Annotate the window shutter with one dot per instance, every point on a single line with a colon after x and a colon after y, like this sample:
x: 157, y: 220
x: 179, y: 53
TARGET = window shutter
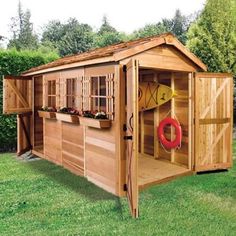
x: 110, y: 96
x: 86, y: 93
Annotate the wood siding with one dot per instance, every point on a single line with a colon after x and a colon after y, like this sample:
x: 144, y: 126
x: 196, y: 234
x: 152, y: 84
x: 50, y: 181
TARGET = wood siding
x: 164, y: 57
x: 85, y: 151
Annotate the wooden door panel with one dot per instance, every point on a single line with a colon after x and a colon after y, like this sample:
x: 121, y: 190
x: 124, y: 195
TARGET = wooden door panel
x: 213, y: 121
x: 17, y: 94
x: 132, y: 136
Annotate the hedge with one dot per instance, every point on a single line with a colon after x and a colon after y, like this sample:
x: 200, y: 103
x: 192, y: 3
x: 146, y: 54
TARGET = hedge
x: 14, y: 62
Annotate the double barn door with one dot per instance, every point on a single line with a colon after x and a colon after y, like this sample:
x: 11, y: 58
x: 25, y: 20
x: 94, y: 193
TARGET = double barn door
x: 212, y: 118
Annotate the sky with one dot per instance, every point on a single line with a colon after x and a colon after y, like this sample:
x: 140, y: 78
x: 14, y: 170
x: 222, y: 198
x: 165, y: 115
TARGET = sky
x: 124, y: 15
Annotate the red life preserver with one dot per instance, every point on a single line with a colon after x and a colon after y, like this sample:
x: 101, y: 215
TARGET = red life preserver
x: 178, y: 133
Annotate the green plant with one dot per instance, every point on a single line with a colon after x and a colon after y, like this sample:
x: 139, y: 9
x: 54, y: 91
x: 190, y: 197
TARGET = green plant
x: 49, y: 109
x: 68, y: 110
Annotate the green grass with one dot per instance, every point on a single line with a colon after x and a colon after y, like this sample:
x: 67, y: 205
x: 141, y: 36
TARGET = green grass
x: 39, y: 198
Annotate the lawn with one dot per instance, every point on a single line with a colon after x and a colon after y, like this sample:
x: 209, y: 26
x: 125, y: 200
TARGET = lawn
x: 39, y: 198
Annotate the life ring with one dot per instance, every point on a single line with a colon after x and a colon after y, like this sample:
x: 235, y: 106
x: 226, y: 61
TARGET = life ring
x: 178, y: 133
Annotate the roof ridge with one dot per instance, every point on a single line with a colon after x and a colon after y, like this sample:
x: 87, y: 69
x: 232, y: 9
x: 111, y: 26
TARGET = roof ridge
x: 109, y: 52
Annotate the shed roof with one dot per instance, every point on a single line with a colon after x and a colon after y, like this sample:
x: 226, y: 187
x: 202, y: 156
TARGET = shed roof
x: 116, y: 52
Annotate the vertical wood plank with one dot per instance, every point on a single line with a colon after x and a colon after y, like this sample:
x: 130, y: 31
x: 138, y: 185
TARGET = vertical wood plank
x: 172, y: 116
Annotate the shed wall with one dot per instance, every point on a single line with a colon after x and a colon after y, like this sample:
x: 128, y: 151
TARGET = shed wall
x: 83, y: 150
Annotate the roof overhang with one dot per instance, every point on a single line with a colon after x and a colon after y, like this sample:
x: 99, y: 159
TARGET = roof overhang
x: 168, y: 39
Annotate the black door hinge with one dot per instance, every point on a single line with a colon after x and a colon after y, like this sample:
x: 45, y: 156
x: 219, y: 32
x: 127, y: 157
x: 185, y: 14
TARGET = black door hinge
x: 128, y: 137
x: 124, y: 68
x: 125, y: 187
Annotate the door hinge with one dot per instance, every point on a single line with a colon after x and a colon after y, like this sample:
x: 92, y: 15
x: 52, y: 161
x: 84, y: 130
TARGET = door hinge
x: 129, y: 137
x: 124, y: 68
x: 125, y: 187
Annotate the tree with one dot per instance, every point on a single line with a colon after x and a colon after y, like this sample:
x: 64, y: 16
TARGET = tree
x: 53, y: 33
x: 22, y: 30
x: 69, y: 38
x: 77, y: 39
x: 150, y: 30
x: 178, y: 25
x: 213, y: 36
x: 107, y: 35
x: 106, y: 27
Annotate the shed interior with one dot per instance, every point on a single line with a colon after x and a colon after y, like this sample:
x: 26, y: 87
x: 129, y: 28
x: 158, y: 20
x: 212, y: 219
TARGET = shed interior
x: 157, y: 164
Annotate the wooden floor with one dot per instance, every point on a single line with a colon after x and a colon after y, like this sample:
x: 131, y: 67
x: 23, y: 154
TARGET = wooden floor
x: 153, y: 171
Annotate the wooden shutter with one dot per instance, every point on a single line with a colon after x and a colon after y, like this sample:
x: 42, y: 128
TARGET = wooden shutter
x: 110, y: 96
x: 213, y: 121
x: 17, y: 94
x: 132, y: 136
x: 86, y: 93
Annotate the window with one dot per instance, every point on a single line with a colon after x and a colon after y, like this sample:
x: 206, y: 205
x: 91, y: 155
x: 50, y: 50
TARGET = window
x: 51, y: 93
x: 98, y: 93
x: 70, y: 92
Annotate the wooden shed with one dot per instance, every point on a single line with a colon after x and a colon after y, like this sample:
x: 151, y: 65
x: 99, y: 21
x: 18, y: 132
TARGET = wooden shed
x: 123, y: 154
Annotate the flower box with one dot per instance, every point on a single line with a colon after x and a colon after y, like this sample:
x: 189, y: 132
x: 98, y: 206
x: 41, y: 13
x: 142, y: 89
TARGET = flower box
x: 47, y: 114
x: 95, y: 123
x: 67, y: 117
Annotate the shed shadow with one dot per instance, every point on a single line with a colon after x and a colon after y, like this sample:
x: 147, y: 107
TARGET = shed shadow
x: 71, y: 181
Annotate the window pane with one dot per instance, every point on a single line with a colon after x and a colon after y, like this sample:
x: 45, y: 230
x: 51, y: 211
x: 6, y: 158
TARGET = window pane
x: 68, y: 86
x: 103, y: 104
x: 70, y: 101
x: 94, y: 104
x: 49, y: 87
x: 102, y: 86
x: 70, y: 92
x: 94, y: 81
x: 53, y: 87
x: 52, y: 101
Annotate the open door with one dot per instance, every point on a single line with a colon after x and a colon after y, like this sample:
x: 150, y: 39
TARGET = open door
x: 213, y: 121
x: 17, y: 99
x: 132, y: 136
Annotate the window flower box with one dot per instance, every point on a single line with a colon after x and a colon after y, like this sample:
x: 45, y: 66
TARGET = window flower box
x: 67, y: 117
x: 47, y: 114
x: 95, y: 123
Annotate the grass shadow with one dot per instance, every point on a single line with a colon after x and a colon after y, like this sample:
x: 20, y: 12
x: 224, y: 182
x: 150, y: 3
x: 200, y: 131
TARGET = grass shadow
x: 70, y: 181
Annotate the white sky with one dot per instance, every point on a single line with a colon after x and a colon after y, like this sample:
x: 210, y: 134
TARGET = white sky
x: 124, y: 15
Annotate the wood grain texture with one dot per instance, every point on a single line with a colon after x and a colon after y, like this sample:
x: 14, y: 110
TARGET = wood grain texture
x: 152, y: 172
x: 73, y: 147
x: 213, y: 121
x: 100, y: 157
x: 17, y: 95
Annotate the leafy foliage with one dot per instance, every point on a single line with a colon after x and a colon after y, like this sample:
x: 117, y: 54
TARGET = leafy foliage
x: 69, y: 38
x: 14, y: 62
x: 22, y: 29
x: 150, y: 30
x: 213, y: 36
x: 178, y: 25
x: 107, y: 35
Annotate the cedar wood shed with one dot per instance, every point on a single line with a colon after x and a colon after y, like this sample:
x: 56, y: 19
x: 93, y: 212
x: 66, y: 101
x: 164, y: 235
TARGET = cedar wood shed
x: 123, y: 154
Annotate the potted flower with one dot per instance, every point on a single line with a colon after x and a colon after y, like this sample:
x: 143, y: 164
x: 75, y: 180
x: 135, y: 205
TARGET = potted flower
x: 47, y: 112
x: 95, y: 119
x: 68, y: 114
